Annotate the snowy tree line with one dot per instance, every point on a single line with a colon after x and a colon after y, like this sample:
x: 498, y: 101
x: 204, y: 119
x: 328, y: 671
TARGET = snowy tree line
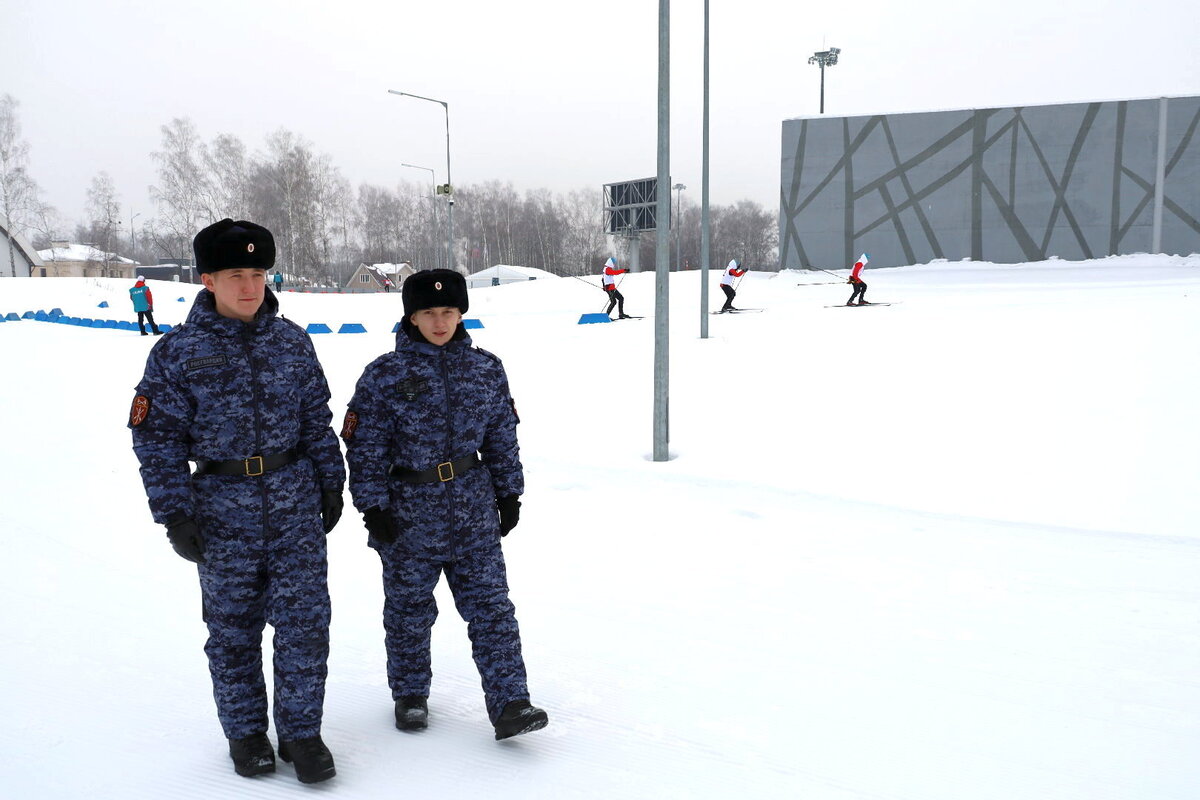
x: 324, y: 227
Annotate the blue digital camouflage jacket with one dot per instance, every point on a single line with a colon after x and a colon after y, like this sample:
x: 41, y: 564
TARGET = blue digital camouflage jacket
x: 216, y: 388
x: 422, y: 405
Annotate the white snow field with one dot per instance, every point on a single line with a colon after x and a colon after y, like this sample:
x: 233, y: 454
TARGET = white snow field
x: 940, y: 550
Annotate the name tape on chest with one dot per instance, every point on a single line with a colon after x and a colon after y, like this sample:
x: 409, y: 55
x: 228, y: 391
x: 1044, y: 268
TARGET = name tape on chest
x: 204, y: 362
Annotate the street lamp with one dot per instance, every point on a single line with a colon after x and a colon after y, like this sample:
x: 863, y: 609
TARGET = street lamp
x: 824, y: 58
x: 679, y: 187
x: 432, y: 183
x: 132, y: 235
x: 448, y: 189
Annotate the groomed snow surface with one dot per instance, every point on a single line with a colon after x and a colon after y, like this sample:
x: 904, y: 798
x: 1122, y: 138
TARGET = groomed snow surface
x: 944, y: 549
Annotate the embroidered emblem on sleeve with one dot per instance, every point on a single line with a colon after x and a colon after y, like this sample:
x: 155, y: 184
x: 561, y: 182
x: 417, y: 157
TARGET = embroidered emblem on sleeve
x: 140, y: 410
x: 349, y: 425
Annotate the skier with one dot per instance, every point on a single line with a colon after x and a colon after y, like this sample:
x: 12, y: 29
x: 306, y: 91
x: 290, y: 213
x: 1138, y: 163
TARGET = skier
x: 266, y: 490
x: 431, y: 441
x: 860, y: 287
x: 615, y: 298
x: 143, y: 304
x: 733, y: 270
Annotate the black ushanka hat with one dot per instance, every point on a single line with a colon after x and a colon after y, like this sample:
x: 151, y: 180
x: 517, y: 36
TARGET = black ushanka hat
x: 233, y: 245
x: 432, y: 288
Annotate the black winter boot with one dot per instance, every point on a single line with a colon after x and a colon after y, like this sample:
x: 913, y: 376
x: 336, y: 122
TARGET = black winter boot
x: 412, y: 713
x: 252, y: 755
x: 314, y: 762
x: 519, y: 716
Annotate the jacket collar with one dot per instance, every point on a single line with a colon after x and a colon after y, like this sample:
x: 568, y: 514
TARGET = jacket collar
x: 204, y: 314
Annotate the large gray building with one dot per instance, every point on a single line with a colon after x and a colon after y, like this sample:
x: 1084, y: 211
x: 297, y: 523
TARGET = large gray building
x: 1082, y: 180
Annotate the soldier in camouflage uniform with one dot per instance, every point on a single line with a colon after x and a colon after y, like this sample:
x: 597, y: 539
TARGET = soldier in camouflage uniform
x: 239, y: 391
x: 431, y: 442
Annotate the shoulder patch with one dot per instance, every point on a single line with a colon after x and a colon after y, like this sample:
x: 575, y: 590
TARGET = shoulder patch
x: 139, y: 411
x: 349, y: 425
x: 194, y: 364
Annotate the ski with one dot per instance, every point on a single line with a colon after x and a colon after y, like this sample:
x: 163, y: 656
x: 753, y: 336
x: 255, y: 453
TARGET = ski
x: 738, y: 311
x: 628, y: 316
x: 857, y: 305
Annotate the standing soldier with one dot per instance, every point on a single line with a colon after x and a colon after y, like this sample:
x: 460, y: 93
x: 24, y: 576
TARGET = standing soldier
x: 860, y: 286
x: 733, y: 270
x: 615, y: 298
x: 143, y: 304
x: 267, y: 488
x: 431, y: 440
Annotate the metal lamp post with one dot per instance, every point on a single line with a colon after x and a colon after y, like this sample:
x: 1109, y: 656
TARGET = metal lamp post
x: 433, y: 185
x: 679, y: 187
x: 448, y: 189
x: 823, y: 59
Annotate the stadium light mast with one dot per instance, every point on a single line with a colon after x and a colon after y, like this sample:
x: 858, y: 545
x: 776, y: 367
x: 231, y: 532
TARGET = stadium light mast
x: 823, y: 59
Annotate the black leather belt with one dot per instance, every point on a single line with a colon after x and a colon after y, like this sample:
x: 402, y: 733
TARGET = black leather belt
x: 248, y: 467
x: 446, y: 471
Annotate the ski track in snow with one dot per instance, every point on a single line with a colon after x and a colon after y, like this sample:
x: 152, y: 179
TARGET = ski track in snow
x: 891, y: 557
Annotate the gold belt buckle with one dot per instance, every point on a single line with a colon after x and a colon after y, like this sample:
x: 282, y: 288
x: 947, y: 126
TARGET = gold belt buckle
x: 247, y: 462
x: 447, y: 474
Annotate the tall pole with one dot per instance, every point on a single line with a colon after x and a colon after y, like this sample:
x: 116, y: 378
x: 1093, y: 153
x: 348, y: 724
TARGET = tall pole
x: 132, y: 235
x: 822, y: 87
x: 432, y: 197
x: 704, y: 196
x: 449, y: 184
x: 662, y: 260
x: 677, y: 224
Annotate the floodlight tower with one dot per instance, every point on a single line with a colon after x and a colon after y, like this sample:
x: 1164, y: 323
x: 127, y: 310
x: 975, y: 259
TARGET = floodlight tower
x: 823, y: 59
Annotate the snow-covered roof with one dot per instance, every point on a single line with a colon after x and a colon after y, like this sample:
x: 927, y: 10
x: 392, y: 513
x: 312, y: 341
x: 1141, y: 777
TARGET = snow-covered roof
x: 512, y: 273
x: 81, y: 252
x: 389, y: 269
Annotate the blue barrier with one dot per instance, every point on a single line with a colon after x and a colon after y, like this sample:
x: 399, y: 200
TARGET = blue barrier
x: 318, y: 327
x: 126, y: 325
x: 181, y: 300
x: 589, y: 319
x: 2, y: 319
x: 471, y: 324
x: 56, y: 312
x: 103, y: 304
x: 164, y: 327
x: 396, y: 327
x: 41, y: 316
x: 28, y: 315
x: 352, y: 327
x: 109, y: 323
x: 12, y: 316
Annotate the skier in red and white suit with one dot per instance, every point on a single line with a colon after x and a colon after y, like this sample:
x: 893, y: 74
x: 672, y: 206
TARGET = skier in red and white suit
x: 615, y: 298
x: 860, y: 287
x: 734, y: 270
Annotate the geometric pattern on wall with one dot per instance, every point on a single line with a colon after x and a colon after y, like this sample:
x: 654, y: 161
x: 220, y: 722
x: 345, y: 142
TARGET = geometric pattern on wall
x: 1003, y: 185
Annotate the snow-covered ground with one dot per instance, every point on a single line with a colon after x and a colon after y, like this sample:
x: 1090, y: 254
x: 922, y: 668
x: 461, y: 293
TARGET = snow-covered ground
x: 942, y: 549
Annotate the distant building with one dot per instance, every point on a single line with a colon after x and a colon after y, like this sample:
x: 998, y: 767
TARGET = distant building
x: 375, y: 277
x: 506, y: 273
x: 67, y: 260
x: 17, y: 258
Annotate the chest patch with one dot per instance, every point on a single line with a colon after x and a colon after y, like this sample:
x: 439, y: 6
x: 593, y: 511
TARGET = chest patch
x: 194, y: 364
x: 411, y: 387
x: 139, y: 411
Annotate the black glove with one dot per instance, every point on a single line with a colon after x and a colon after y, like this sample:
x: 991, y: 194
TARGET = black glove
x: 380, y: 525
x: 186, y: 538
x: 331, y: 508
x: 510, y: 512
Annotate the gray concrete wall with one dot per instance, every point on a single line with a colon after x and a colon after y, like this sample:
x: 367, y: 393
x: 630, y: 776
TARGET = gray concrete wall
x: 998, y: 184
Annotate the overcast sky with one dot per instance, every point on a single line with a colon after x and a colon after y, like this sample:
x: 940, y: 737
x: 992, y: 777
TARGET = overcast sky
x: 545, y: 94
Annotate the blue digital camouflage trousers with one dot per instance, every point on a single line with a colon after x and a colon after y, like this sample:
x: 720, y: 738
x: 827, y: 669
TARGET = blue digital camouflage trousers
x: 479, y: 584
x: 265, y: 564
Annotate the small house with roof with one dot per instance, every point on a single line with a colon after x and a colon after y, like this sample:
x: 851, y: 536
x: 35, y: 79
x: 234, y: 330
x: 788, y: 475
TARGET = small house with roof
x: 67, y: 260
x: 379, y: 277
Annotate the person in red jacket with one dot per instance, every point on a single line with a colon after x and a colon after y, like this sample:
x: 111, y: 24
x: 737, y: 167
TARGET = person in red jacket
x: 615, y: 298
x: 860, y: 286
x: 143, y: 304
x: 734, y: 270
